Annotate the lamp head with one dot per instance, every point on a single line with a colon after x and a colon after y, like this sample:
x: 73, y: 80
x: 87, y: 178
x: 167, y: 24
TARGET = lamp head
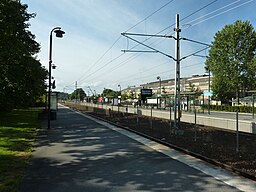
x: 59, y: 33
x: 158, y: 77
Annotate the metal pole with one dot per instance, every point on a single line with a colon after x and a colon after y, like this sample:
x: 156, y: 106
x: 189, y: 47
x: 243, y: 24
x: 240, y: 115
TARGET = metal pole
x: 151, y: 116
x: 160, y: 92
x: 237, y: 133
x: 76, y: 91
x: 253, y: 106
x: 119, y: 103
x: 138, y: 113
x: 203, y: 103
x: 50, y: 83
x: 177, y: 76
x: 195, y: 115
x: 170, y: 118
x: 209, y: 88
x: 58, y: 34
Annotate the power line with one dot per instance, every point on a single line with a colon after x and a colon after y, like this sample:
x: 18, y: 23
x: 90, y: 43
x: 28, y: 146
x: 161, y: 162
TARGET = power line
x: 102, y: 67
x: 198, y: 10
x: 213, y: 12
x: 123, y: 62
x: 192, y: 54
x: 103, y: 54
x: 136, y: 74
x: 127, y: 30
x: 228, y: 5
x: 150, y: 15
x: 159, y: 31
x: 223, y: 12
x: 127, y: 79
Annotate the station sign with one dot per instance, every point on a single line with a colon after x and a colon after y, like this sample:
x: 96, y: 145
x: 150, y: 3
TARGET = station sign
x: 145, y: 93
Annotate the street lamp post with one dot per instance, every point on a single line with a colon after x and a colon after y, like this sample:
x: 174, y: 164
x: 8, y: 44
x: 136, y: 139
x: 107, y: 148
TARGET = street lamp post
x: 59, y: 34
x: 120, y: 96
x: 160, y: 81
x: 120, y: 90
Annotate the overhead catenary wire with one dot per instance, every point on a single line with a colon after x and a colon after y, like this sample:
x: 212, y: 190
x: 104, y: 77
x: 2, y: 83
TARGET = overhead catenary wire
x: 201, y: 21
x: 150, y: 15
x: 210, y: 18
x: 104, y: 54
x: 128, y: 79
x: 156, y: 33
x: 149, y: 77
x: 191, y: 24
x: 135, y: 74
x: 192, y: 40
x: 249, y: 1
x: 198, y: 10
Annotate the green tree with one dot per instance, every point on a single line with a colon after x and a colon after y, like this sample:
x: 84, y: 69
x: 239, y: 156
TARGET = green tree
x: 195, y: 89
x: 232, y: 60
x: 78, y: 94
x: 22, y: 78
x: 110, y: 93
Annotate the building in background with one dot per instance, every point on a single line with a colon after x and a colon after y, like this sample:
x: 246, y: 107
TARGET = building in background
x: 194, y: 84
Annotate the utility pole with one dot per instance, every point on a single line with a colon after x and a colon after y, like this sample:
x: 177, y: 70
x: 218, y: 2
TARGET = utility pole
x: 177, y: 110
x: 76, y: 92
x: 209, y: 89
x: 177, y: 76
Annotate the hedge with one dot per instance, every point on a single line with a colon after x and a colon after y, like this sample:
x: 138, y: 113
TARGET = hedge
x: 228, y: 108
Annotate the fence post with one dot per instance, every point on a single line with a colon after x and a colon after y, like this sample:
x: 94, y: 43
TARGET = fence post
x: 151, y: 120
x: 195, y: 115
x: 170, y: 118
x: 237, y: 133
x: 138, y: 114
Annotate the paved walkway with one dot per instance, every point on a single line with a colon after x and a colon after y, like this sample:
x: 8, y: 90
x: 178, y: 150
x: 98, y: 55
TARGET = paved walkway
x: 80, y: 153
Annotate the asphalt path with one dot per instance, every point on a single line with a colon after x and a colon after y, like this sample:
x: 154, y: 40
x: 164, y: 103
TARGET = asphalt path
x: 80, y: 153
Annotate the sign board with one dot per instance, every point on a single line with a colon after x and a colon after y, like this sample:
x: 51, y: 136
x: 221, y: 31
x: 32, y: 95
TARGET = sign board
x: 208, y: 93
x: 115, y: 101
x: 151, y: 101
x: 145, y: 93
x: 54, y: 100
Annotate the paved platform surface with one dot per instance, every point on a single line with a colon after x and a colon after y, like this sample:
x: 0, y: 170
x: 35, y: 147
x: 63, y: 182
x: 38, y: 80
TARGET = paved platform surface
x: 80, y: 153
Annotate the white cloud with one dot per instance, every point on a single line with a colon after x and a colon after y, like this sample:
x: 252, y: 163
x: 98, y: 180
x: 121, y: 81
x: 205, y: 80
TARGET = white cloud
x: 92, y: 26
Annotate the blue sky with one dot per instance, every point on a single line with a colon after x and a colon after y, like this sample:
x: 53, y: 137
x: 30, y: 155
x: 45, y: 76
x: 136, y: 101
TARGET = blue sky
x: 90, y: 52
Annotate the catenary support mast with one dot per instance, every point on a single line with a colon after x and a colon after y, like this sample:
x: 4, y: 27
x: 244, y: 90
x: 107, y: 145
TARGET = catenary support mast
x: 177, y: 112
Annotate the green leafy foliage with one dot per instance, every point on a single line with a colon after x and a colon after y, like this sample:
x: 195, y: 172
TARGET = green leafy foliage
x: 22, y: 78
x: 228, y: 108
x: 232, y: 60
x: 78, y: 94
x: 110, y: 93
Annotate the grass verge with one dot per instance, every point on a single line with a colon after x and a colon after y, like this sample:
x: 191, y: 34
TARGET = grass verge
x: 17, y: 135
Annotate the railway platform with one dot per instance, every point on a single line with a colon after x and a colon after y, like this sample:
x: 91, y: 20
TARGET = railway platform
x: 80, y: 153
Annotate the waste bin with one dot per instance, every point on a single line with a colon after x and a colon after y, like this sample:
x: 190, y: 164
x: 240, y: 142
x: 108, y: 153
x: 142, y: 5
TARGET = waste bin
x: 53, y: 115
